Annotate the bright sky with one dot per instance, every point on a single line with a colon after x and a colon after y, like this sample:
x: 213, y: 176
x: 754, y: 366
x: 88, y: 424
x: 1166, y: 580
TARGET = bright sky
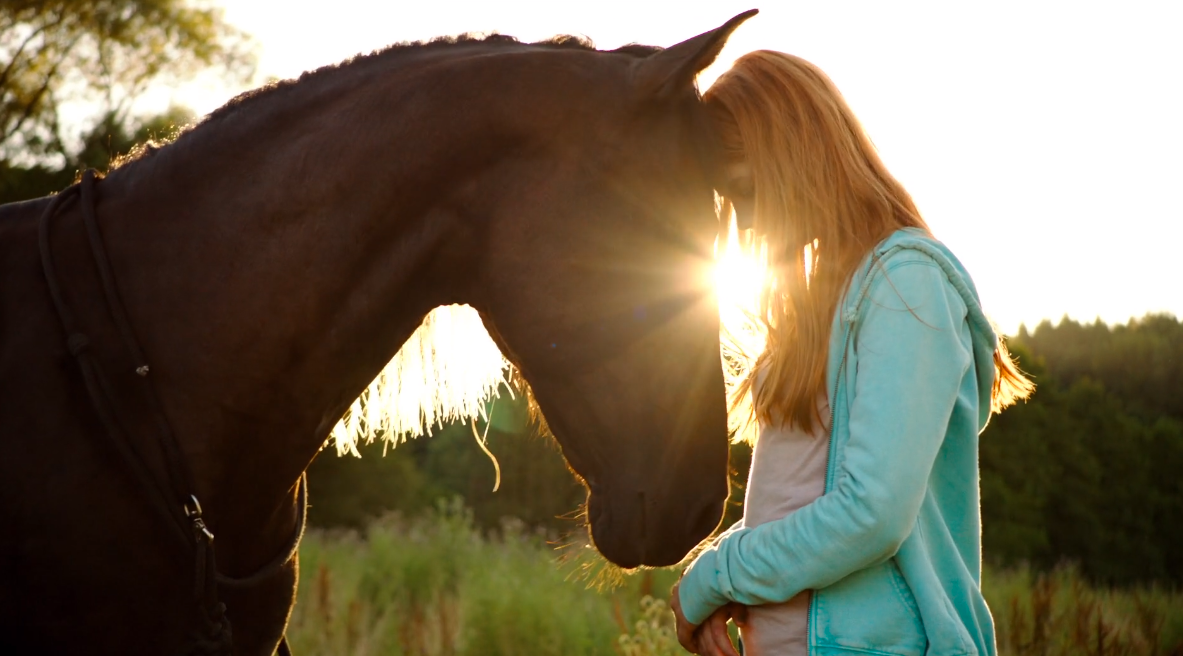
x: 1042, y: 140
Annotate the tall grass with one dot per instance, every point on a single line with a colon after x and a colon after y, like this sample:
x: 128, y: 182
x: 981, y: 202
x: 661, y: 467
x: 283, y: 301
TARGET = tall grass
x: 436, y: 586
x: 1058, y: 614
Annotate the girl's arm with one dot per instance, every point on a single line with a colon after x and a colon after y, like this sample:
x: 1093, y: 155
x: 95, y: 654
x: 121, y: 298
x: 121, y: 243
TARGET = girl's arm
x: 913, y: 347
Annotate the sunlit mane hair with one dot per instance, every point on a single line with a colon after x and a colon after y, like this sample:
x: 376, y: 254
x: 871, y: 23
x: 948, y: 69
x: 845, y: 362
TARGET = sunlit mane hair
x: 822, y: 200
x: 448, y: 370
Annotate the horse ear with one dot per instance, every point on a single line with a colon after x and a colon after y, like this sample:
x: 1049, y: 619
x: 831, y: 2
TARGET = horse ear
x: 667, y: 72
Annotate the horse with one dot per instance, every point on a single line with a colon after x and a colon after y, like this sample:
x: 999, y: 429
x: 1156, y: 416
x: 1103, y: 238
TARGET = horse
x: 257, y: 272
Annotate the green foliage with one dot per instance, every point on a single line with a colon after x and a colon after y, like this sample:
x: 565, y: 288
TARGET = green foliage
x: 23, y: 183
x: 102, y: 53
x: 437, y: 585
x: 536, y: 487
x: 1088, y: 471
x: 1058, y: 614
x: 1140, y: 362
x: 655, y: 634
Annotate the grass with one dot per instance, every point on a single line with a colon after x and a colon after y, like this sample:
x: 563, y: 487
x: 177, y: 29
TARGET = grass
x: 437, y: 586
x: 1058, y: 614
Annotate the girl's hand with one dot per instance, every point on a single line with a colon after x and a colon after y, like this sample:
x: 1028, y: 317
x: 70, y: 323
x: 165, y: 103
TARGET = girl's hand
x: 713, y: 639
x: 686, y: 631
x: 710, y: 638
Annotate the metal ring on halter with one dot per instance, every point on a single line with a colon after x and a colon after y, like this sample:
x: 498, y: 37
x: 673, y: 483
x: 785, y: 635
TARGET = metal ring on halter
x: 193, y: 508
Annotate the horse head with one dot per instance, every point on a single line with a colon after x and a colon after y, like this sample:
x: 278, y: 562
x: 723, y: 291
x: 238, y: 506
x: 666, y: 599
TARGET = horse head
x: 596, y: 287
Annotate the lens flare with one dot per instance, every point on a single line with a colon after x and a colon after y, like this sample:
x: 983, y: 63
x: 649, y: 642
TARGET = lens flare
x: 737, y: 277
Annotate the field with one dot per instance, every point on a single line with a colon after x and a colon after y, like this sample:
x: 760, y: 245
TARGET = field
x: 437, y: 585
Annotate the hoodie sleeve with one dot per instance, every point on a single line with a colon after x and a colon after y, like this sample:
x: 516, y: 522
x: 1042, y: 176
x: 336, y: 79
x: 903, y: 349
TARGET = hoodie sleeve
x: 913, y: 349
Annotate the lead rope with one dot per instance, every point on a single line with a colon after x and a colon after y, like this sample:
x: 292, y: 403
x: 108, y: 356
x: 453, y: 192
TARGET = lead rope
x: 78, y: 345
x: 179, y: 473
x: 213, y: 636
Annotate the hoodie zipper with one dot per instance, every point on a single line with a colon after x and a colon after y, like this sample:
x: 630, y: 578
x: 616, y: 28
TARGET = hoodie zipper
x: 810, y: 630
x: 864, y: 288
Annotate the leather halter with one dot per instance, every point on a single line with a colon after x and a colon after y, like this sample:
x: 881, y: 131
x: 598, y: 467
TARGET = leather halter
x: 174, y: 499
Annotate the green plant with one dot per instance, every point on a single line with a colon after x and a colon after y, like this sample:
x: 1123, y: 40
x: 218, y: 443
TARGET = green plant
x: 654, y: 634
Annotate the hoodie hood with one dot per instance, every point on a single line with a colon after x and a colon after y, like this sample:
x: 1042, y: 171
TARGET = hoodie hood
x: 985, y: 338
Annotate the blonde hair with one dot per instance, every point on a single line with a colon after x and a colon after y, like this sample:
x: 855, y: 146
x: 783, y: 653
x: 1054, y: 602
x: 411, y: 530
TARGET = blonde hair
x: 822, y: 200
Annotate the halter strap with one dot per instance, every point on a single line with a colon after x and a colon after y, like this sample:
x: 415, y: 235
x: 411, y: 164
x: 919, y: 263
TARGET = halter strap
x: 177, y: 504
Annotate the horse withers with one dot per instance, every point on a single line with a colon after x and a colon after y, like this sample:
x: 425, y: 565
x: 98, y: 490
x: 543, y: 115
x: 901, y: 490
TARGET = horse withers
x: 277, y: 254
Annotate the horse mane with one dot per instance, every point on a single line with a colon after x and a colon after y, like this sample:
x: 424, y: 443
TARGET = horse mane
x: 276, y: 88
x: 383, y: 55
x: 448, y: 370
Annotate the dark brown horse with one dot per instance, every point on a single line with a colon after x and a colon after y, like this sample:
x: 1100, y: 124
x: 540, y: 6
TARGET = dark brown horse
x: 275, y: 256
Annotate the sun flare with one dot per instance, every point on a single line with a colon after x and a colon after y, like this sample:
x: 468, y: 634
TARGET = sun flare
x: 737, y: 278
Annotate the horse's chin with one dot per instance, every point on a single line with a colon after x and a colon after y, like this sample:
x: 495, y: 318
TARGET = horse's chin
x: 624, y: 553
x: 620, y: 533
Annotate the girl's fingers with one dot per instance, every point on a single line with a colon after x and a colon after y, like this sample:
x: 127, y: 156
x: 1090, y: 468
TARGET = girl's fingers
x: 718, y: 628
x: 685, y: 630
x: 739, y: 614
x: 687, y: 638
x: 712, y: 636
x: 706, y: 641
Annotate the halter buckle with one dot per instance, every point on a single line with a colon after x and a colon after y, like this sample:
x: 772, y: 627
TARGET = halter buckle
x: 193, y: 512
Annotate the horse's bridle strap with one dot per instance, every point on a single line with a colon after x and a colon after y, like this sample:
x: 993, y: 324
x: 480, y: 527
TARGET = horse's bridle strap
x: 178, y: 504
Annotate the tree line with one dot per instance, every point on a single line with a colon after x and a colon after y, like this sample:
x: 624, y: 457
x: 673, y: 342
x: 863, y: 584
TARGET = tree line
x: 1090, y: 470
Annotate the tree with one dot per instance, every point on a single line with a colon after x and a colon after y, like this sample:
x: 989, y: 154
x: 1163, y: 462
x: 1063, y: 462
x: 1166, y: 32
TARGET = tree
x: 1141, y: 361
x: 104, y: 53
x: 1088, y: 470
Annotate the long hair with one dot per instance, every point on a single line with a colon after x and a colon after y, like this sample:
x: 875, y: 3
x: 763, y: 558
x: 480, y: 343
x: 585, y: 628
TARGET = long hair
x: 822, y: 200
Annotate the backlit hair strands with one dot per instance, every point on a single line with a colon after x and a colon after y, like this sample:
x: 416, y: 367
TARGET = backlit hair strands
x: 823, y: 199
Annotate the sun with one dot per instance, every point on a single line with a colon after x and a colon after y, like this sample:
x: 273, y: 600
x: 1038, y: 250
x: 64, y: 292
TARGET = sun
x: 737, y: 280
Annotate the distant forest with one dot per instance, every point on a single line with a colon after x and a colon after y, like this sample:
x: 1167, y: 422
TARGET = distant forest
x: 1089, y: 471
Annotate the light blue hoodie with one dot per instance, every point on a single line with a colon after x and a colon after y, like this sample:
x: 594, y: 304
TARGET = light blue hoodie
x: 893, y: 547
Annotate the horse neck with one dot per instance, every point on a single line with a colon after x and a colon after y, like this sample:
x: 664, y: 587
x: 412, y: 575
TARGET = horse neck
x: 274, y: 260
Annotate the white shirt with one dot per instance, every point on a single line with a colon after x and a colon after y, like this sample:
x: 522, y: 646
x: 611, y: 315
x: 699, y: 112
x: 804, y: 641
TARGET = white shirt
x: 788, y: 472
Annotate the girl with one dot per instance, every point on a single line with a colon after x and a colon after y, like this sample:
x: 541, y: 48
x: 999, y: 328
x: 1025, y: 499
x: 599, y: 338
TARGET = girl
x: 861, y: 530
